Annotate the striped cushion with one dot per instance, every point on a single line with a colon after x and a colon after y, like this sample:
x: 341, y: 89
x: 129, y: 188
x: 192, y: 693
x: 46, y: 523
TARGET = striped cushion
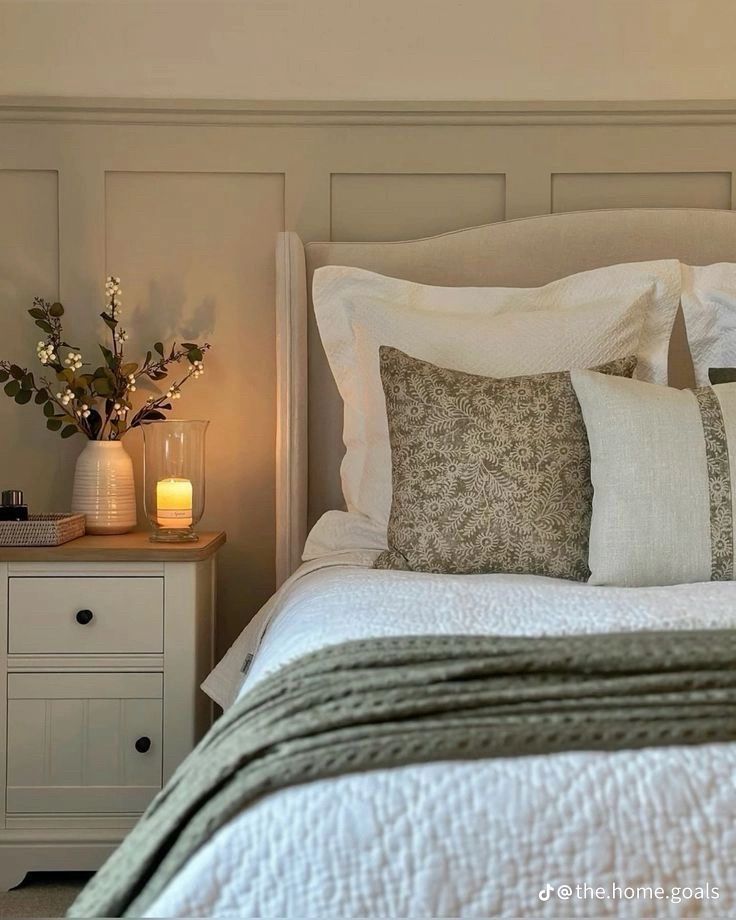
x: 662, y: 466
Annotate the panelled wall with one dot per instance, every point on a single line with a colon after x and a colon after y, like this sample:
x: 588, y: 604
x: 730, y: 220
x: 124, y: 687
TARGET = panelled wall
x: 183, y: 201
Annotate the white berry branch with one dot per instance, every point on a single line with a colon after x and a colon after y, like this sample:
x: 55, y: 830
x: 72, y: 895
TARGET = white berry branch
x: 97, y: 402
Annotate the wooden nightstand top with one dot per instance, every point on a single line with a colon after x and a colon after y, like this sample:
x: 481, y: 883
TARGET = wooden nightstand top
x: 129, y: 547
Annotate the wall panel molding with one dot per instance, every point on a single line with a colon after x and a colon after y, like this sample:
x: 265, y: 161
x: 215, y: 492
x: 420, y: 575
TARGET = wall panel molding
x: 299, y: 112
x: 376, y: 206
x: 583, y: 191
x: 183, y: 198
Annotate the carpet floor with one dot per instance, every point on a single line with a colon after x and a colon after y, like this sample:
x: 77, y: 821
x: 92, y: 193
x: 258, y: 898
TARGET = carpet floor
x: 42, y: 894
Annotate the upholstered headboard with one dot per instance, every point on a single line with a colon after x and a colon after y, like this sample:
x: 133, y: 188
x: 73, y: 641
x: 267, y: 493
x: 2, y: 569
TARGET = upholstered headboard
x: 517, y: 253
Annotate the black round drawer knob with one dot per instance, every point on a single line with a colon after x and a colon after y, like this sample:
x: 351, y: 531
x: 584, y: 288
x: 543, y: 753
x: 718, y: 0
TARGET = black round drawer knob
x: 143, y: 745
x: 84, y: 617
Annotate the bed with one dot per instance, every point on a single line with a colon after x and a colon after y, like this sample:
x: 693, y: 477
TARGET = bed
x: 583, y: 833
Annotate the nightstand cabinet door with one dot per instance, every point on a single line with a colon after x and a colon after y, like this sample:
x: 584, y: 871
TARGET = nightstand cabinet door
x: 83, y: 742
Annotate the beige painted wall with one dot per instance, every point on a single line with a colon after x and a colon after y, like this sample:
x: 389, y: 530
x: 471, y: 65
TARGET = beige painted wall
x: 370, y: 49
x: 186, y: 212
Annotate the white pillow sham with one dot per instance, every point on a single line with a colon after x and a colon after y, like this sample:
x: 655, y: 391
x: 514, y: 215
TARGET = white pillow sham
x: 709, y: 307
x: 577, y: 322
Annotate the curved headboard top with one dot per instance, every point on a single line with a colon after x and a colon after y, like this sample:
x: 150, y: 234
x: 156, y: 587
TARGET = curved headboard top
x: 531, y: 251
x: 526, y: 252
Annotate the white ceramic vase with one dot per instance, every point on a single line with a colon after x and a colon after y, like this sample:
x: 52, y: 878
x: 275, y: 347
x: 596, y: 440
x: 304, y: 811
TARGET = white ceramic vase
x: 104, y: 489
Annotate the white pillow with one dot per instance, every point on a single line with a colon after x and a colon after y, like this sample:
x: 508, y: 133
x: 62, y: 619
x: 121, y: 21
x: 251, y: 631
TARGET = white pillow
x: 709, y: 307
x: 576, y: 322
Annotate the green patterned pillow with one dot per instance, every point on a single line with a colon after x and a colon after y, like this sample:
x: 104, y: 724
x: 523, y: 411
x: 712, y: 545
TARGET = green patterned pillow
x: 489, y: 474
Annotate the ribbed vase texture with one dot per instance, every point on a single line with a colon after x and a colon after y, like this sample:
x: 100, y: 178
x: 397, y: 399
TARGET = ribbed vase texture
x: 104, y: 489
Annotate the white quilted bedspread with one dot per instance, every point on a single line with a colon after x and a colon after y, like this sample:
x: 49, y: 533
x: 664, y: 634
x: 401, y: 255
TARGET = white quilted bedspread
x: 483, y: 838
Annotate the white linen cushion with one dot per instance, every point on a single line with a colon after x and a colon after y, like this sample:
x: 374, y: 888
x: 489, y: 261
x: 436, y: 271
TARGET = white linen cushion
x: 661, y: 464
x: 709, y: 308
x: 580, y: 321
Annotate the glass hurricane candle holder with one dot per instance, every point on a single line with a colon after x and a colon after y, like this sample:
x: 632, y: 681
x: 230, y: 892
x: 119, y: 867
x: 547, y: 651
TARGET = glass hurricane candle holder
x: 174, y: 478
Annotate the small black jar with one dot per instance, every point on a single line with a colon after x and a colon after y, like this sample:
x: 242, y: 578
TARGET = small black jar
x: 12, y: 507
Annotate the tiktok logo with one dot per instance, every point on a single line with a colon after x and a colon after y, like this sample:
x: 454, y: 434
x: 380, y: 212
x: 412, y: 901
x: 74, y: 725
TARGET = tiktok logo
x: 546, y: 893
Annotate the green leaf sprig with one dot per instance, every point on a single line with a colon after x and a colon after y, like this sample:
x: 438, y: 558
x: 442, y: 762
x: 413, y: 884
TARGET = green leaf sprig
x: 97, y: 403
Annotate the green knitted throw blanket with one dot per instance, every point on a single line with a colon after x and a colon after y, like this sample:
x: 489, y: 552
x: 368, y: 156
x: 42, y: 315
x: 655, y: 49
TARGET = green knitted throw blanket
x: 391, y: 701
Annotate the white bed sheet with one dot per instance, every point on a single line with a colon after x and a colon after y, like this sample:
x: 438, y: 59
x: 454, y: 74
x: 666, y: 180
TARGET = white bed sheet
x: 475, y: 838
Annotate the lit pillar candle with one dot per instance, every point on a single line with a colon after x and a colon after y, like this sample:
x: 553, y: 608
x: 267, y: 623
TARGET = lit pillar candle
x: 174, y: 502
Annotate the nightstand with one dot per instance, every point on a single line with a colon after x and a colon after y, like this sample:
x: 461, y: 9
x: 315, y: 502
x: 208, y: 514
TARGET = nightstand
x: 103, y: 644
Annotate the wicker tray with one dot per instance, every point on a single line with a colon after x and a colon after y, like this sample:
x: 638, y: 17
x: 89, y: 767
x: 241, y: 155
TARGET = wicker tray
x: 42, y: 530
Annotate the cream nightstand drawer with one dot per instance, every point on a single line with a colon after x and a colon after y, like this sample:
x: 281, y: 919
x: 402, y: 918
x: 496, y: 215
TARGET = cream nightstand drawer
x: 83, y: 742
x: 85, y: 615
